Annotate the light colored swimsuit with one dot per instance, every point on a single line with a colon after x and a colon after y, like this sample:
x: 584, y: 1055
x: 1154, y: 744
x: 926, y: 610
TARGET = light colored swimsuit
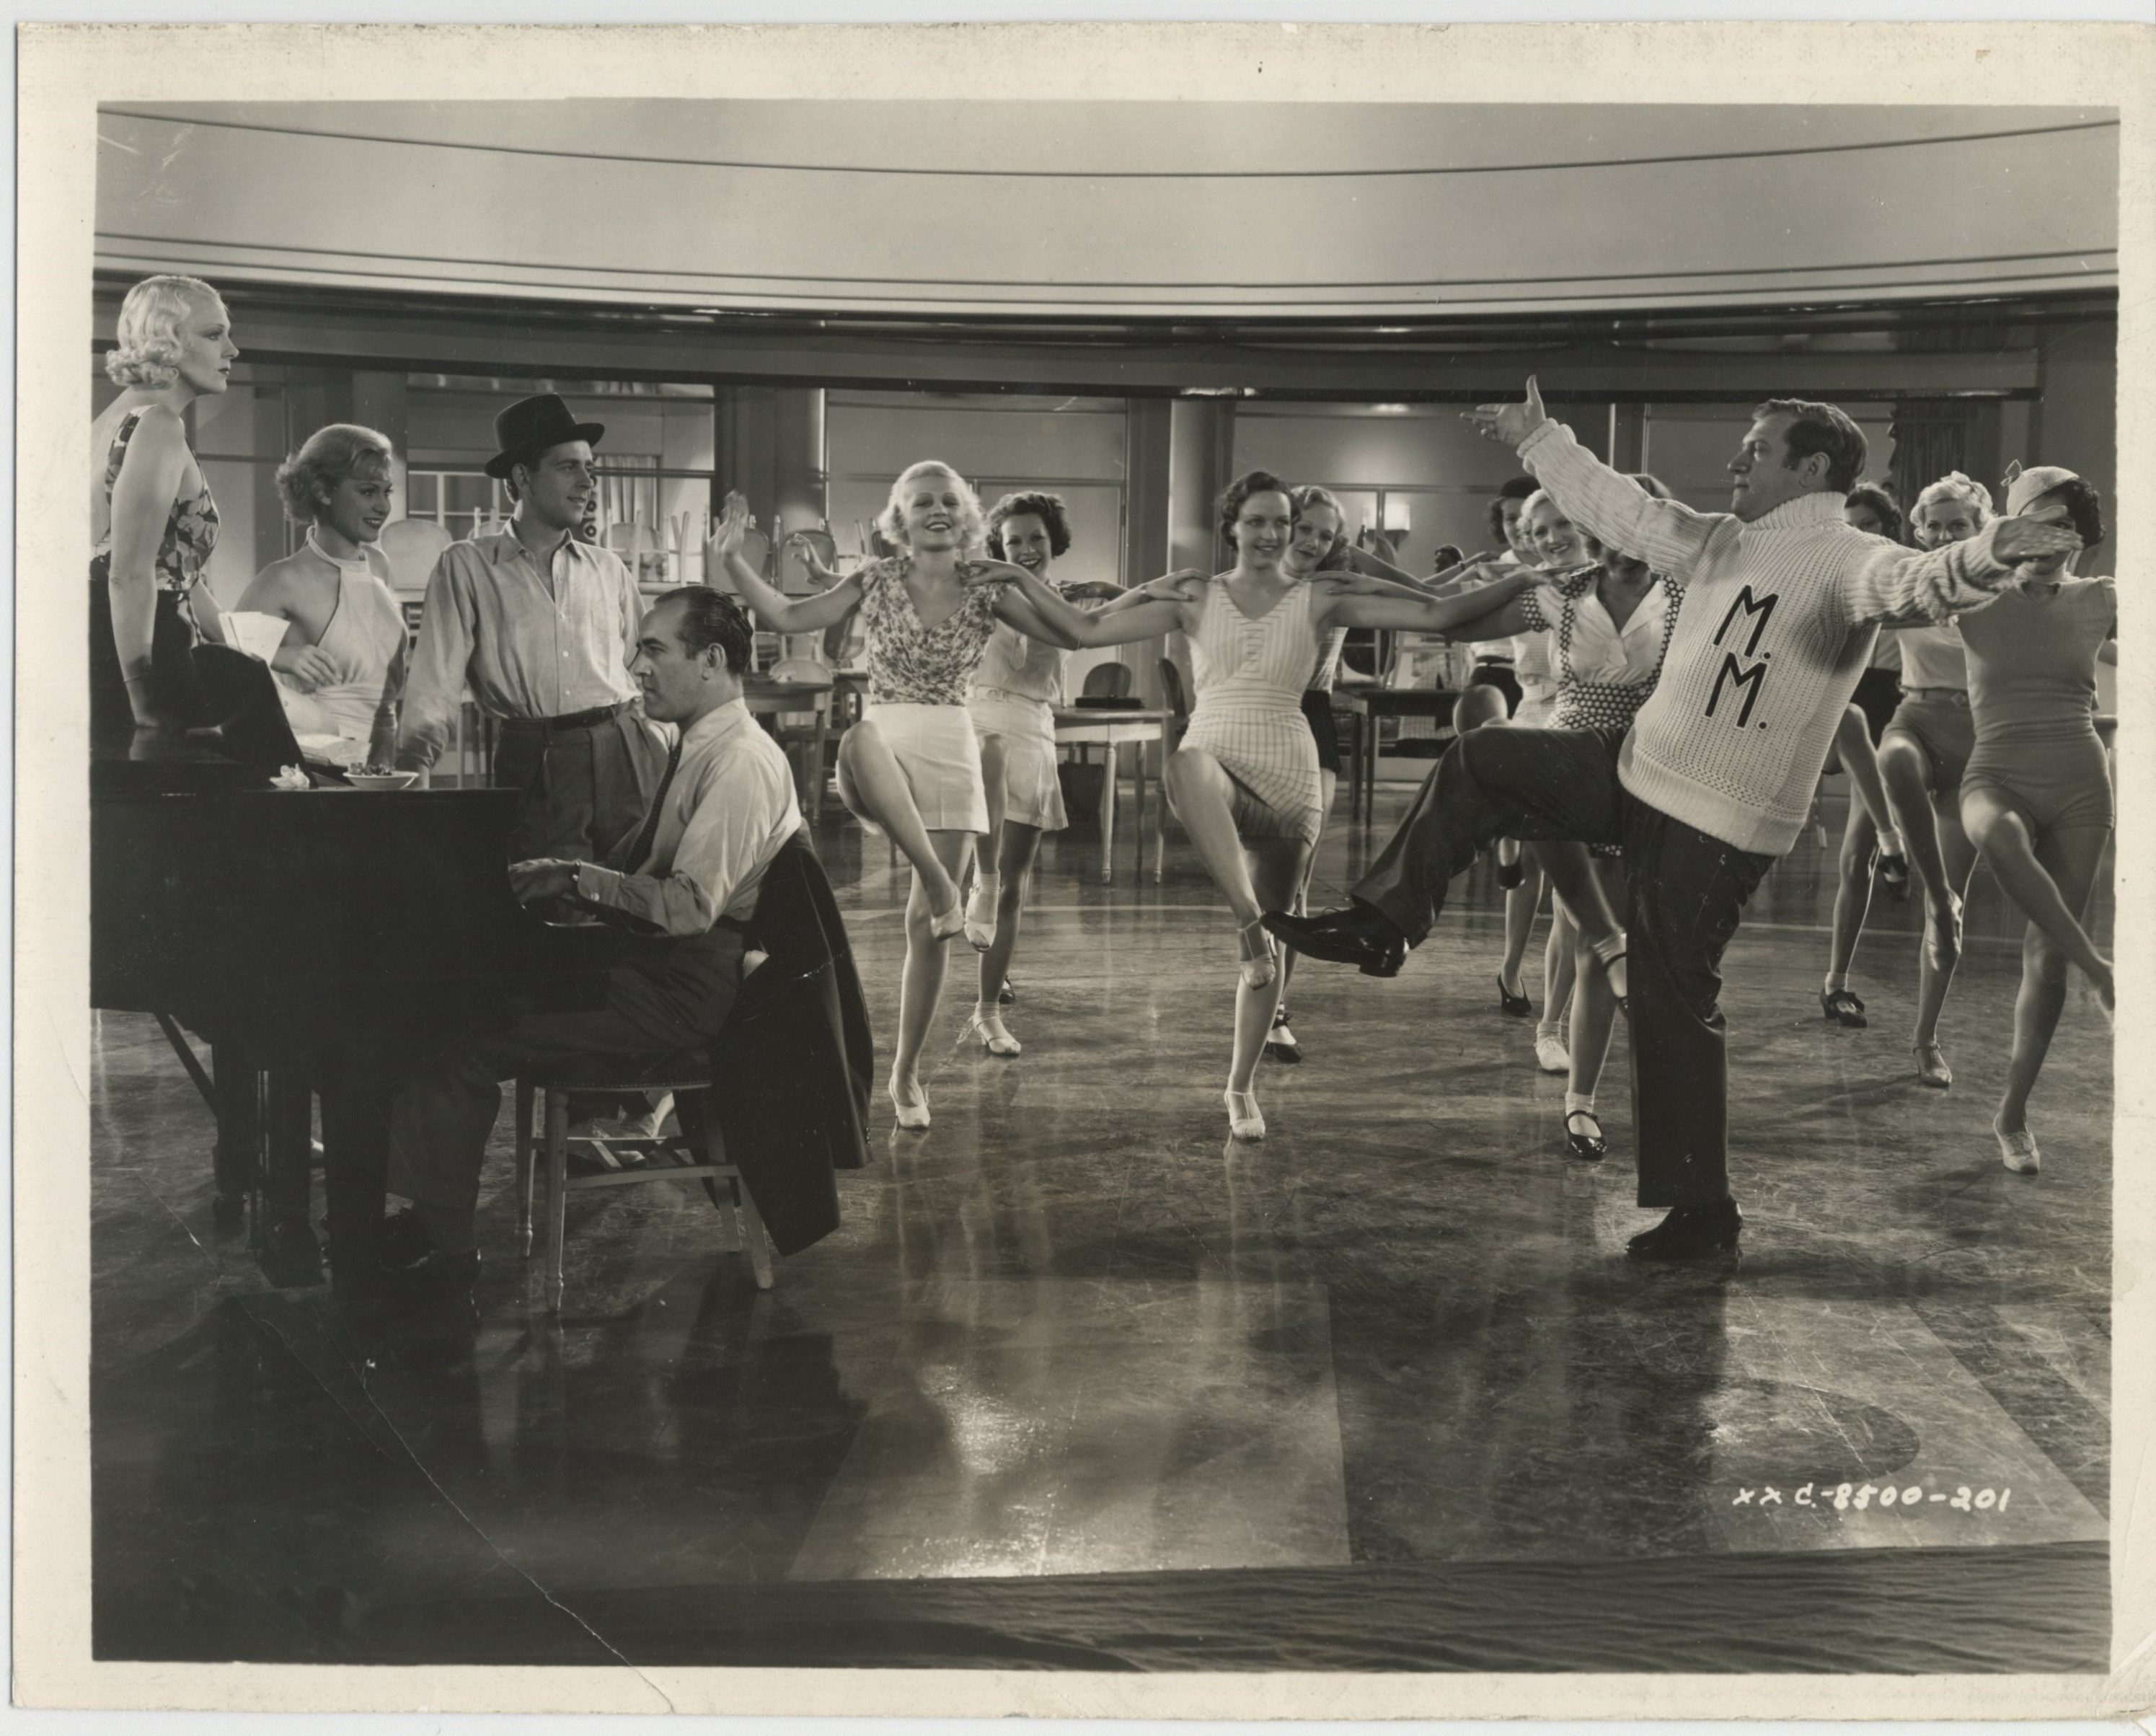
x: 1251, y: 676
x: 2032, y: 694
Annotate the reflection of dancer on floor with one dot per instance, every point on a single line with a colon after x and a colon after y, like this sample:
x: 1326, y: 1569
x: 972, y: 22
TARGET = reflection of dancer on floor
x: 1714, y: 779
x: 1610, y: 625
x: 1922, y: 754
x: 910, y: 765
x: 1871, y: 845
x: 1245, y: 781
x: 1320, y: 548
x: 1015, y: 691
x: 2036, y: 796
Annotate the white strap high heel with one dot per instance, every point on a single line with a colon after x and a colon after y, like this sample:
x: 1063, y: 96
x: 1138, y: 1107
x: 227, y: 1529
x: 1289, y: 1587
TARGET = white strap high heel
x: 988, y: 1025
x: 1243, y: 1120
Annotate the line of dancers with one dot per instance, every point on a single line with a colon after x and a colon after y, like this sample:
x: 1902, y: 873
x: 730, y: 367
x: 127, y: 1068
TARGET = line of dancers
x: 1696, y: 667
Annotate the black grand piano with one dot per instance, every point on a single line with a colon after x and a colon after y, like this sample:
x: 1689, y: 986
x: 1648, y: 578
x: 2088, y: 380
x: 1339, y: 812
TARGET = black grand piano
x: 320, y: 940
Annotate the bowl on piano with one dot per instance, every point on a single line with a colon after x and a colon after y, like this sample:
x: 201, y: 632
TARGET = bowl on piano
x: 381, y: 780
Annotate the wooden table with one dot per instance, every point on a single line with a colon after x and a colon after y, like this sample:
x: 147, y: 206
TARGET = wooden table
x: 767, y: 698
x: 1079, y: 726
x: 1369, y: 705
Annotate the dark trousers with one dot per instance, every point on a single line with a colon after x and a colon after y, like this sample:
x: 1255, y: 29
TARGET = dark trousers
x: 674, y: 995
x: 1686, y: 891
x: 584, y: 789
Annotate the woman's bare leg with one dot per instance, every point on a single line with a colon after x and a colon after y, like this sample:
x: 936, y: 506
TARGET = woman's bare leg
x: 1593, y: 1007
x: 1202, y: 793
x: 1328, y: 783
x: 1852, y: 896
x: 981, y: 903
x: 1014, y: 873
x: 1521, y: 904
x: 873, y: 786
x: 1906, y: 771
x: 2020, y: 866
x: 1274, y: 868
x: 922, y: 984
x: 1958, y: 860
x: 2068, y: 862
x: 1852, y: 743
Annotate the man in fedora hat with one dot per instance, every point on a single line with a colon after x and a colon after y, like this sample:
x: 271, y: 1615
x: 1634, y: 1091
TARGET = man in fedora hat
x: 540, y: 628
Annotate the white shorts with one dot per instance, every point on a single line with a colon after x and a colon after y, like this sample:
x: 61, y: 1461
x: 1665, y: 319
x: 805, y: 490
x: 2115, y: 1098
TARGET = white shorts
x: 1033, y: 791
x: 936, y: 749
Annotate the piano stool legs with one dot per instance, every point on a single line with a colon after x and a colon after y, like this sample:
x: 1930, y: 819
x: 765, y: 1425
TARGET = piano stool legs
x: 236, y: 1158
x: 721, y: 1181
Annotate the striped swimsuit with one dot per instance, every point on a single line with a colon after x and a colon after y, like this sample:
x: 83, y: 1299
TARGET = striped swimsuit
x: 1251, y: 677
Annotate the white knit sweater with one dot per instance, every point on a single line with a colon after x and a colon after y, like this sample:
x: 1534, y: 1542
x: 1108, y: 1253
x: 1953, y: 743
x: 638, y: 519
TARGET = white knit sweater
x: 1777, y: 625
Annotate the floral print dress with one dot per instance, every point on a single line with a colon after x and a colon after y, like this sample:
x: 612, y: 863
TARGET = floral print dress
x: 911, y: 665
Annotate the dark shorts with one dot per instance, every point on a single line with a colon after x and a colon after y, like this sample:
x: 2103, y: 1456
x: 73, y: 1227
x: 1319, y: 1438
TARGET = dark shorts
x: 1317, y: 712
x: 1499, y: 676
x: 1878, y: 692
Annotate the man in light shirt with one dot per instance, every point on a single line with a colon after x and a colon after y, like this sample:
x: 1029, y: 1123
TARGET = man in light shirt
x: 1714, y: 779
x: 683, y: 885
x: 538, y: 624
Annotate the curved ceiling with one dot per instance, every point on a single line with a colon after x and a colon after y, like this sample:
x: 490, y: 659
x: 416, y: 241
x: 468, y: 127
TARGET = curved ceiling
x: 1130, y: 210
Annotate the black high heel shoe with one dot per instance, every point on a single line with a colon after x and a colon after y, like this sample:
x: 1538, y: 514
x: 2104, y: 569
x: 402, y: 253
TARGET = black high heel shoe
x: 1512, y: 873
x: 1514, y: 1006
x: 1589, y: 1147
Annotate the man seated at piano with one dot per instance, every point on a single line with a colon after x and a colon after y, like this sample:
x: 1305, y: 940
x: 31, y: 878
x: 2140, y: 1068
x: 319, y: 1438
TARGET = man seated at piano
x: 683, y: 885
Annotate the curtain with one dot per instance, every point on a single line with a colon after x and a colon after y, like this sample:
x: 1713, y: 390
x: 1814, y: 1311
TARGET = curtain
x: 1931, y: 438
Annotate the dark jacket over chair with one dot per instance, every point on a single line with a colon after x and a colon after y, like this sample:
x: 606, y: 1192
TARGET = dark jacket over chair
x: 791, y: 1072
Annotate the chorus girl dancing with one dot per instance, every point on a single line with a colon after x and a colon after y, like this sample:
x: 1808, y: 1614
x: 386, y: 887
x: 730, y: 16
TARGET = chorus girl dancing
x: 910, y: 767
x: 1922, y: 755
x: 1245, y: 782
x: 1013, y: 702
x: 2036, y: 798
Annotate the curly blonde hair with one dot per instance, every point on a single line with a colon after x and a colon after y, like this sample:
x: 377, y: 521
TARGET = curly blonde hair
x: 1955, y: 486
x: 148, y: 351
x: 972, y: 520
x: 309, y: 479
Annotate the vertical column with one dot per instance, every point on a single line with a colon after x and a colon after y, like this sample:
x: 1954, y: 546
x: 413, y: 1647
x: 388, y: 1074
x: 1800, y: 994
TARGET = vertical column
x: 799, y: 498
x: 1628, y: 437
x: 744, y: 438
x: 1146, y: 487
x: 1201, y: 463
x: 382, y: 401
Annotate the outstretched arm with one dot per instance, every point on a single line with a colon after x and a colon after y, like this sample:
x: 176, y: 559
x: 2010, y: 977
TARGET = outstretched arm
x: 1668, y: 536
x: 1444, y: 615
x: 778, y: 613
x: 1122, y: 622
x: 1895, y: 584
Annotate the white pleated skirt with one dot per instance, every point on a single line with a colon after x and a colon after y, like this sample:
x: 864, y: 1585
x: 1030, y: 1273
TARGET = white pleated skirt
x: 1033, y: 791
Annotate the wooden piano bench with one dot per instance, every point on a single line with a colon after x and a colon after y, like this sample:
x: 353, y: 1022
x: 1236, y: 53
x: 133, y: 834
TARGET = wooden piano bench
x: 542, y: 1100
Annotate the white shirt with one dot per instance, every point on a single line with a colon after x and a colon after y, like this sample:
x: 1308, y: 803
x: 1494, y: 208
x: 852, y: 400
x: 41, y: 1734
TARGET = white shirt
x: 730, y: 807
x: 1600, y: 650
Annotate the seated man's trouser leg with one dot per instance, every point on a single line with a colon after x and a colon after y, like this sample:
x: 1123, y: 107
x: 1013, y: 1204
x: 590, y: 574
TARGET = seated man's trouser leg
x: 1496, y: 782
x: 677, y: 997
x: 1687, y: 892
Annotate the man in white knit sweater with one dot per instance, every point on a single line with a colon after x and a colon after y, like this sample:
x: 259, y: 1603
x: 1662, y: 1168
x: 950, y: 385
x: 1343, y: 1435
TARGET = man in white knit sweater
x: 1715, y: 778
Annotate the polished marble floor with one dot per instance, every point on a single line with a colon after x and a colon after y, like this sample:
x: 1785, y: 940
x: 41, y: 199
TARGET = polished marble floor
x: 1080, y: 1384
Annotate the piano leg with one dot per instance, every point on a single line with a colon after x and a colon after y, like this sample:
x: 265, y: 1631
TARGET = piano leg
x: 237, y: 1158
x: 356, y: 1172
x: 285, y: 1247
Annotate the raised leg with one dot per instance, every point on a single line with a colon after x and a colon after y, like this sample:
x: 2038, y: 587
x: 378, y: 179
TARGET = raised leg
x: 2019, y: 863
x: 872, y: 784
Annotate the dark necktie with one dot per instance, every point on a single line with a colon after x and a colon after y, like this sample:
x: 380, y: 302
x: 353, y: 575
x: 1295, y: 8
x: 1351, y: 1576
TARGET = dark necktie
x: 650, y: 831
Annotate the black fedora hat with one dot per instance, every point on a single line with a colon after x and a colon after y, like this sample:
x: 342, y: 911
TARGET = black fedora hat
x: 533, y: 425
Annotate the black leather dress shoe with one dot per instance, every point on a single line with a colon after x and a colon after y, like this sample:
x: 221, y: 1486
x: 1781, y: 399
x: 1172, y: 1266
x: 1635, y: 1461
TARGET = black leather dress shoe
x: 1357, y: 936
x: 1692, y: 1232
